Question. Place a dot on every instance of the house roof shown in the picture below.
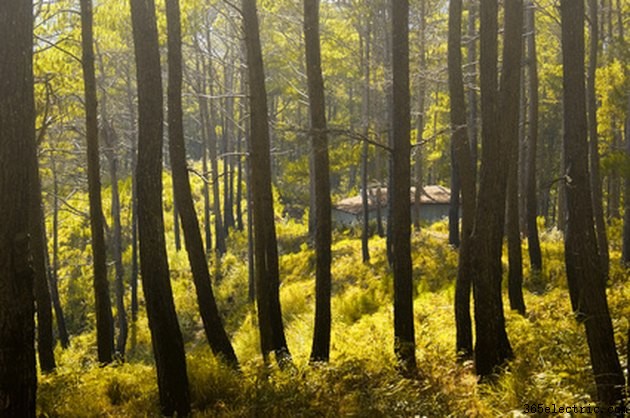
(430, 195)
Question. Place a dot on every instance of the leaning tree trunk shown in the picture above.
(104, 319)
(319, 140)
(215, 332)
(584, 273)
(272, 337)
(462, 154)
(166, 337)
(404, 334)
(18, 376)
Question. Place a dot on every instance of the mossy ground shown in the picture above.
(551, 364)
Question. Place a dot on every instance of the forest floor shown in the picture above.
(551, 364)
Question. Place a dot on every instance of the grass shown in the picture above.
(551, 364)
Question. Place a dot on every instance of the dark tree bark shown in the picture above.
(215, 332)
(535, 255)
(595, 178)
(64, 339)
(176, 233)
(492, 347)
(510, 92)
(272, 337)
(463, 157)
(18, 376)
(45, 338)
(404, 335)
(584, 272)
(166, 337)
(457, 137)
(104, 319)
(319, 144)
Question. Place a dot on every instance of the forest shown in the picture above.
(314, 208)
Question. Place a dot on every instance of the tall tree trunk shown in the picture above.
(104, 319)
(404, 335)
(134, 200)
(420, 124)
(625, 256)
(365, 234)
(595, 178)
(111, 140)
(228, 214)
(471, 79)
(584, 273)
(64, 339)
(535, 255)
(462, 154)
(213, 326)
(510, 91)
(204, 119)
(219, 232)
(45, 338)
(18, 376)
(272, 337)
(492, 347)
(319, 139)
(166, 337)
(457, 137)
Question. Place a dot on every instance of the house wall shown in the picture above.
(428, 213)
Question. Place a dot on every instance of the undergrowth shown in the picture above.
(551, 364)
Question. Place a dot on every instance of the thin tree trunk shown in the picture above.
(45, 338)
(272, 338)
(104, 320)
(404, 334)
(64, 339)
(219, 232)
(535, 255)
(471, 79)
(203, 116)
(625, 257)
(595, 178)
(134, 202)
(420, 124)
(584, 273)
(365, 234)
(215, 333)
(116, 240)
(166, 337)
(462, 153)
(18, 375)
(511, 90)
(319, 139)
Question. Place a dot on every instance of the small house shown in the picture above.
(434, 205)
